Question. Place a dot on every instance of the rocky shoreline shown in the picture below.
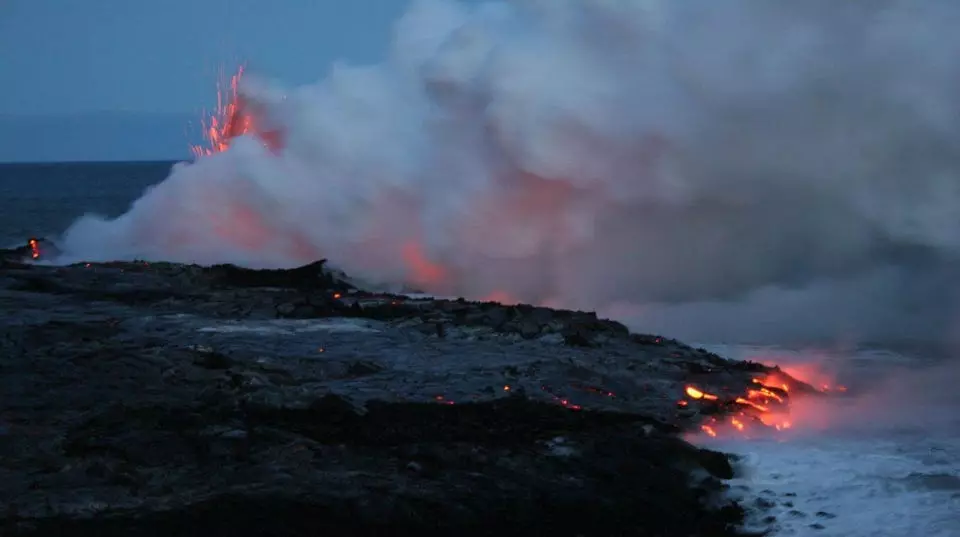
(164, 399)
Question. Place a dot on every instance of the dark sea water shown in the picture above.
(44, 199)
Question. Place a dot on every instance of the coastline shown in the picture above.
(163, 399)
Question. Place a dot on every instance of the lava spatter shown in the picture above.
(234, 116)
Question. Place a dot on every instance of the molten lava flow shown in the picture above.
(34, 248)
(697, 394)
(763, 407)
(234, 117)
(764, 404)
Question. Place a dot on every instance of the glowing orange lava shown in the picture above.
(697, 394)
(34, 248)
(233, 117)
(763, 406)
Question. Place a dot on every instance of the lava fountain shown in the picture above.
(233, 117)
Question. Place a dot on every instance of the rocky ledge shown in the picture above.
(163, 399)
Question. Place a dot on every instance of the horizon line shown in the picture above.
(97, 161)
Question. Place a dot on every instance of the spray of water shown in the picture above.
(797, 159)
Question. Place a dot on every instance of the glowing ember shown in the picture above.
(748, 402)
(233, 117)
(764, 392)
(737, 424)
(442, 400)
(783, 386)
(563, 401)
(697, 394)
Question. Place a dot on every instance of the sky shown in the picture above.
(149, 66)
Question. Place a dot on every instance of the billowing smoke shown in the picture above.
(801, 156)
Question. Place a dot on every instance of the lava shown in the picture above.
(697, 394)
(34, 248)
(765, 404)
(234, 116)
(763, 408)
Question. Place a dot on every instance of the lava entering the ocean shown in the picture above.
(762, 407)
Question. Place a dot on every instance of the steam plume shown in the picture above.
(588, 153)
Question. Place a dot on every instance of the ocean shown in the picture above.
(881, 461)
(41, 200)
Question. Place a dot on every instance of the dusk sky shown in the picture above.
(76, 57)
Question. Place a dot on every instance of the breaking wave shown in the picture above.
(721, 163)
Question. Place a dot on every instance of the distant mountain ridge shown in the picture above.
(97, 136)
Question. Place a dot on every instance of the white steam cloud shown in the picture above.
(612, 151)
